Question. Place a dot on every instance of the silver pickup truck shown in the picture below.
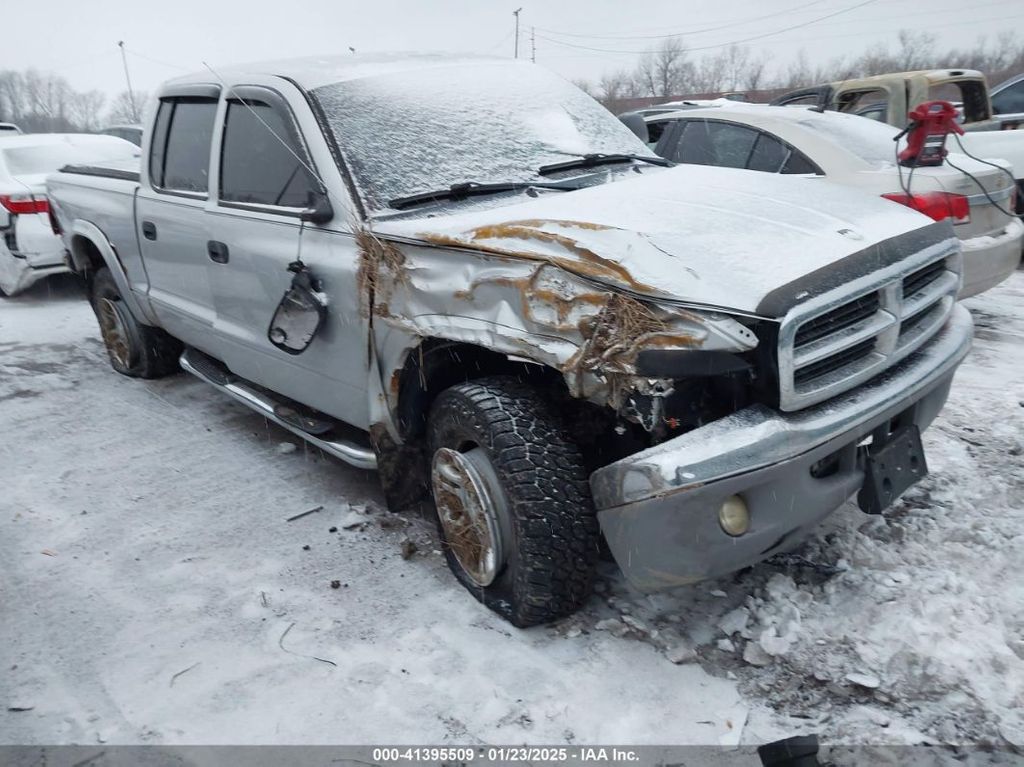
(470, 276)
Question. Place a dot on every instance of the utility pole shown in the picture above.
(128, 79)
(516, 14)
(533, 44)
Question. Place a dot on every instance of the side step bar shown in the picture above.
(206, 369)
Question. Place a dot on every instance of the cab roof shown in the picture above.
(315, 71)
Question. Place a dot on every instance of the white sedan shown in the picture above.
(29, 248)
(852, 151)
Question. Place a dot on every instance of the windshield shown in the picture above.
(489, 122)
(82, 150)
(870, 140)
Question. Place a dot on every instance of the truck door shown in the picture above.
(265, 179)
(169, 212)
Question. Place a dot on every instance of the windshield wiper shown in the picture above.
(473, 189)
(593, 160)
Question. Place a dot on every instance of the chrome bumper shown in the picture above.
(659, 508)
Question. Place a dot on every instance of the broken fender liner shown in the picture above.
(403, 469)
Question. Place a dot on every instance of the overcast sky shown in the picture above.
(78, 39)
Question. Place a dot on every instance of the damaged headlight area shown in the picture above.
(661, 367)
(701, 367)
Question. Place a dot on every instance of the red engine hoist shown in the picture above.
(930, 123)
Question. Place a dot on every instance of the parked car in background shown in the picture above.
(1008, 103)
(857, 153)
(888, 98)
(505, 302)
(9, 128)
(131, 132)
(29, 248)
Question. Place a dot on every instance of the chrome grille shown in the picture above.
(837, 340)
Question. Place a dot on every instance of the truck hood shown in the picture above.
(711, 236)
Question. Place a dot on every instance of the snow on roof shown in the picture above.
(15, 141)
(932, 75)
(315, 71)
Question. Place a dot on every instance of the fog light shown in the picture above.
(733, 516)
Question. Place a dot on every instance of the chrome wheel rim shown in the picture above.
(115, 337)
(469, 503)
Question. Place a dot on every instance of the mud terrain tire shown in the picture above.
(134, 349)
(550, 539)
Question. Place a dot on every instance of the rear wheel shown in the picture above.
(134, 349)
(512, 499)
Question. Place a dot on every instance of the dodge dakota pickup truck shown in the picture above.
(466, 274)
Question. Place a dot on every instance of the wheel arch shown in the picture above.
(90, 251)
(435, 364)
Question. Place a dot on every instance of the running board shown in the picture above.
(206, 369)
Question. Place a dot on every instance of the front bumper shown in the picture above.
(988, 260)
(658, 509)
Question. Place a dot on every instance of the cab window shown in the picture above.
(262, 160)
(179, 159)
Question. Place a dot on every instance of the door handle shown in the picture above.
(217, 251)
(149, 230)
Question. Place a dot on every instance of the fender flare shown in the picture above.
(86, 230)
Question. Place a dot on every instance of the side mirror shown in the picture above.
(319, 210)
(300, 314)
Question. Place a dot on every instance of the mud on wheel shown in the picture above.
(512, 498)
(134, 349)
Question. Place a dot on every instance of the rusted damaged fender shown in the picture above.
(532, 309)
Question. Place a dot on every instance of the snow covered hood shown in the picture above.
(713, 236)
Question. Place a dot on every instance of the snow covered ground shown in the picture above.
(153, 592)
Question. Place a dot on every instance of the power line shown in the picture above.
(685, 32)
(922, 27)
(721, 45)
(158, 61)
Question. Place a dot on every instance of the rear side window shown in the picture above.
(705, 142)
(799, 163)
(180, 155)
(262, 161)
(769, 155)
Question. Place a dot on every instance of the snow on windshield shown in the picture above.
(870, 140)
(73, 150)
(490, 122)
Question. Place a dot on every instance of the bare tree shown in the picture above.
(754, 76)
(87, 109)
(121, 110)
(709, 74)
(916, 51)
(665, 71)
(12, 96)
(616, 85)
(586, 86)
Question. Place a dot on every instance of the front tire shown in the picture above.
(134, 349)
(518, 526)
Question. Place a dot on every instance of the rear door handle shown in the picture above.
(149, 230)
(217, 251)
